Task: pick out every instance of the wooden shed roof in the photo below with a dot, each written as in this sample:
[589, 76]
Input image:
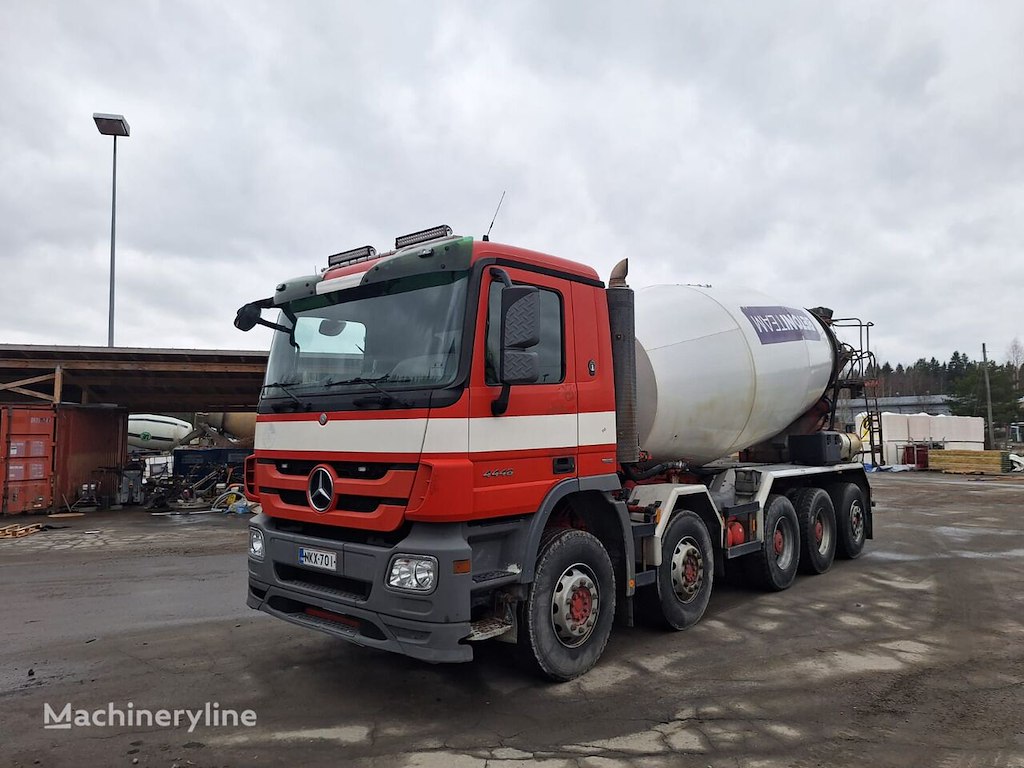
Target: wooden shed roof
[140, 379]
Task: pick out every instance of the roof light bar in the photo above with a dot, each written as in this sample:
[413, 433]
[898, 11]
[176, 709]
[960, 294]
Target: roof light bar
[434, 233]
[366, 253]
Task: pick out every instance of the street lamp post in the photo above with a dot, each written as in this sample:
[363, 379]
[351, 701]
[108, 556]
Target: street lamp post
[112, 125]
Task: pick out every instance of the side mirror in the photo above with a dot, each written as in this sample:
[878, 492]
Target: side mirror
[250, 315]
[247, 317]
[520, 330]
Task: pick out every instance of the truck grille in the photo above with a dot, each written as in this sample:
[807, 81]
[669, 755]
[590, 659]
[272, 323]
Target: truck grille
[343, 503]
[359, 487]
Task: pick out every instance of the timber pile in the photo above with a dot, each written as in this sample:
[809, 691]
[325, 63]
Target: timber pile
[970, 462]
[17, 531]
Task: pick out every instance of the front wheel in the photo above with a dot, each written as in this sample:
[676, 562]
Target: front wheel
[567, 617]
[681, 593]
[774, 567]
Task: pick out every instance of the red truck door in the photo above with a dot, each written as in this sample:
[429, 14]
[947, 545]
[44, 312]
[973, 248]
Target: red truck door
[519, 456]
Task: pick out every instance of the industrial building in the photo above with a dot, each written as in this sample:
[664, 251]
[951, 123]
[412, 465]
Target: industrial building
[64, 410]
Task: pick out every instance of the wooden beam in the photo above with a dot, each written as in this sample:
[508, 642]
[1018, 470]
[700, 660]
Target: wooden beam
[173, 402]
[87, 395]
[143, 380]
[22, 382]
[142, 365]
[58, 384]
[28, 392]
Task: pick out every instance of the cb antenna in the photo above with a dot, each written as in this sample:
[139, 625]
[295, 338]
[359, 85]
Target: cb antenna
[487, 237]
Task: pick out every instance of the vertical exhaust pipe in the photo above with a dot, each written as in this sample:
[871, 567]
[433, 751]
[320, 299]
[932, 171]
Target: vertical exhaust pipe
[621, 320]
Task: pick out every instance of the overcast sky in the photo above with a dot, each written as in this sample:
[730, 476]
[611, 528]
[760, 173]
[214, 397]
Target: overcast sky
[864, 156]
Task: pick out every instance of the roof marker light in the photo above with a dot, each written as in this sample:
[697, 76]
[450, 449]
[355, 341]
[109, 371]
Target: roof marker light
[366, 253]
[423, 236]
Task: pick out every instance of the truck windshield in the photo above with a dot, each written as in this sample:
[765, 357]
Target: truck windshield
[401, 334]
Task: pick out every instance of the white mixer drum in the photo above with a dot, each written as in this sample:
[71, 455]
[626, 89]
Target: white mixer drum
[720, 370]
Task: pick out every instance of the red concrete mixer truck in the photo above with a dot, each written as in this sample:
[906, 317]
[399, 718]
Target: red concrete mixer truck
[459, 441]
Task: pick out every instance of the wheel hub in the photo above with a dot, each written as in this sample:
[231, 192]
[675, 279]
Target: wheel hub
[784, 543]
[575, 605]
[856, 521]
[822, 533]
[687, 569]
[580, 604]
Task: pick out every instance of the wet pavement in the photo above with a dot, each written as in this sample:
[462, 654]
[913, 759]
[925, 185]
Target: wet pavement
[912, 655]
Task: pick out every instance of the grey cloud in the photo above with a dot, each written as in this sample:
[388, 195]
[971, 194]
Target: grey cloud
[863, 155]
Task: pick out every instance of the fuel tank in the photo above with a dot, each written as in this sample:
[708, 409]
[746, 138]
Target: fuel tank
[720, 370]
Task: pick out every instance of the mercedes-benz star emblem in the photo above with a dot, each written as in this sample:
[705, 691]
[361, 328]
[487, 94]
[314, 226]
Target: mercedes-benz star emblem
[321, 489]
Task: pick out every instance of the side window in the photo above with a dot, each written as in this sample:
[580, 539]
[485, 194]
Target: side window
[550, 350]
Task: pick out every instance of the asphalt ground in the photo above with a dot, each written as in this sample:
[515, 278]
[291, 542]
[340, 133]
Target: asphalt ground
[912, 655]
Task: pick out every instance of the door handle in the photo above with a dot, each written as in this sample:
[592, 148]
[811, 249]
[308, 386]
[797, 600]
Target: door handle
[563, 465]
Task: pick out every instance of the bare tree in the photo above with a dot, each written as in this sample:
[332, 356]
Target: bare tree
[1015, 357]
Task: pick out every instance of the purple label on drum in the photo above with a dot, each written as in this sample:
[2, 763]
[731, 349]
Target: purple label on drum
[775, 325]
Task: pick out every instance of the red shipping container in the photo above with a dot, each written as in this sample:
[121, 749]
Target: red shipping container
[26, 458]
[47, 453]
[91, 446]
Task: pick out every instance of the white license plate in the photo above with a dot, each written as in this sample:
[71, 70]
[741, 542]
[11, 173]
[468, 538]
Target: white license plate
[316, 558]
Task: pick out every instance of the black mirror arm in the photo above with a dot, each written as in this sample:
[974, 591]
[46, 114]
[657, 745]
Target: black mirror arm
[275, 326]
[500, 404]
[501, 274]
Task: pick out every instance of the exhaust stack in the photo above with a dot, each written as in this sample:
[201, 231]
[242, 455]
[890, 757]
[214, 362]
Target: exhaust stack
[621, 320]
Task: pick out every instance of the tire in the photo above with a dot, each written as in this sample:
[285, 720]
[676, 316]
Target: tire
[680, 596]
[568, 613]
[774, 567]
[851, 519]
[817, 519]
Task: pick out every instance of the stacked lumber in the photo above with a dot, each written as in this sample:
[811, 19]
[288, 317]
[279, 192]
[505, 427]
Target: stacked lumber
[17, 531]
[970, 462]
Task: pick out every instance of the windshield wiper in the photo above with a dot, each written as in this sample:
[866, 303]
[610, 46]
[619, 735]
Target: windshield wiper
[283, 386]
[373, 383]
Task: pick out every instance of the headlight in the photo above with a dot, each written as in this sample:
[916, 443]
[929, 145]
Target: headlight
[255, 543]
[415, 573]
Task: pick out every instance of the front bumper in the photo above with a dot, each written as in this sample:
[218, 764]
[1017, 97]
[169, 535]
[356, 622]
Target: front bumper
[354, 603]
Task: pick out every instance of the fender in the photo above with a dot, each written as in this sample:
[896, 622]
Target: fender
[539, 521]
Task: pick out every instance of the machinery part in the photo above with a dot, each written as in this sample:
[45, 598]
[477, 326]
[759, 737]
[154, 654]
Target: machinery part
[568, 613]
[851, 446]
[817, 519]
[851, 522]
[686, 574]
[225, 500]
[156, 432]
[774, 567]
[721, 370]
[241, 426]
[621, 313]
[634, 474]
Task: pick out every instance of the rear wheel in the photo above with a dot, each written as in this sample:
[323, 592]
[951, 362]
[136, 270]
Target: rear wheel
[851, 519]
[774, 567]
[568, 614]
[817, 529]
[681, 594]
